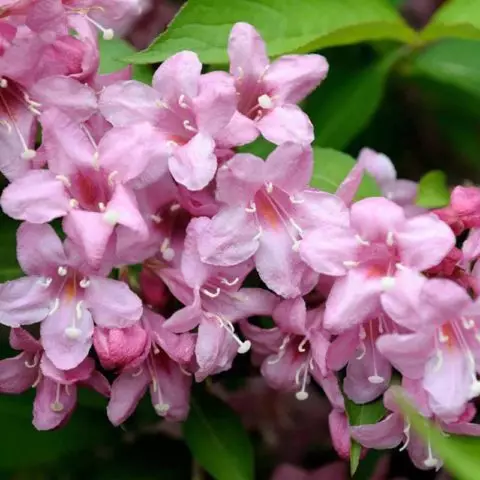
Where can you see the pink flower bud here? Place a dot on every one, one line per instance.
(118, 348)
(339, 431)
(154, 291)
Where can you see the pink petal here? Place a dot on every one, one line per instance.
(67, 352)
(148, 154)
(90, 232)
(37, 197)
(280, 372)
(241, 130)
(330, 386)
(230, 239)
(185, 319)
(80, 373)
(53, 405)
(378, 165)
(292, 77)
(239, 179)
(339, 431)
(374, 218)
(70, 96)
(352, 300)
(127, 390)
(281, 268)
(448, 382)
(23, 301)
(247, 52)
(194, 164)
(424, 241)
(39, 250)
(130, 102)
(248, 302)
(291, 315)
(408, 353)
(178, 75)
(350, 185)
(287, 123)
(342, 349)
(20, 339)
(471, 246)
(388, 433)
(112, 303)
(15, 375)
(99, 383)
(290, 167)
(328, 249)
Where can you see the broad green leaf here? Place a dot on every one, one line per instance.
(111, 53)
(433, 190)
(459, 453)
(340, 110)
(24, 447)
(453, 62)
(365, 414)
(457, 18)
(331, 168)
(217, 439)
(9, 268)
(286, 25)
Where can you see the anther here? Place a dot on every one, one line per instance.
(468, 323)
(45, 281)
(111, 178)
(269, 187)
(73, 203)
(258, 235)
(62, 271)
(296, 200)
(350, 264)
(301, 347)
(111, 217)
(84, 282)
(376, 379)
(296, 246)
(161, 408)
(174, 207)
(225, 281)
(73, 333)
(29, 154)
(265, 102)
(387, 283)
(188, 126)
(361, 241)
(252, 208)
(64, 179)
(156, 218)
(181, 101)
(210, 294)
(3, 83)
(389, 241)
(442, 337)
(54, 307)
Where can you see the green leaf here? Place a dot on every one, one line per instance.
(218, 440)
(9, 268)
(111, 52)
(453, 62)
(459, 453)
(331, 168)
(286, 25)
(457, 18)
(23, 446)
(433, 190)
(365, 414)
(341, 110)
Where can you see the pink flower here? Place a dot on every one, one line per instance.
(186, 109)
(268, 208)
(214, 302)
(268, 93)
(161, 368)
(395, 428)
(65, 295)
(56, 390)
(295, 350)
(367, 249)
(443, 347)
(92, 187)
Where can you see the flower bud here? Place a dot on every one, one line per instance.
(118, 348)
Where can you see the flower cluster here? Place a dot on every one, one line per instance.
(150, 176)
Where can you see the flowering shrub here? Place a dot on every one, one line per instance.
(178, 251)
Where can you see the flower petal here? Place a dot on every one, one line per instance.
(15, 376)
(388, 433)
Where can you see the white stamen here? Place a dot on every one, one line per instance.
(241, 73)
(302, 394)
(401, 267)
(181, 101)
(156, 219)
(258, 235)
(161, 104)
(111, 178)
(65, 180)
(57, 406)
(33, 364)
(431, 461)
(174, 207)
(361, 241)
(301, 347)
(225, 281)
(468, 323)
(6, 125)
(269, 187)
(243, 347)
(34, 110)
(252, 208)
(108, 34)
(73, 203)
(138, 372)
(296, 200)
(62, 271)
(406, 432)
(78, 310)
(111, 217)
(376, 379)
(161, 408)
(30, 101)
(3, 83)
(84, 282)
(296, 246)
(29, 154)
(210, 294)
(351, 263)
(362, 334)
(101, 206)
(265, 102)
(95, 160)
(442, 337)
(168, 254)
(296, 226)
(73, 333)
(188, 126)
(54, 307)
(390, 239)
(363, 351)
(387, 283)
